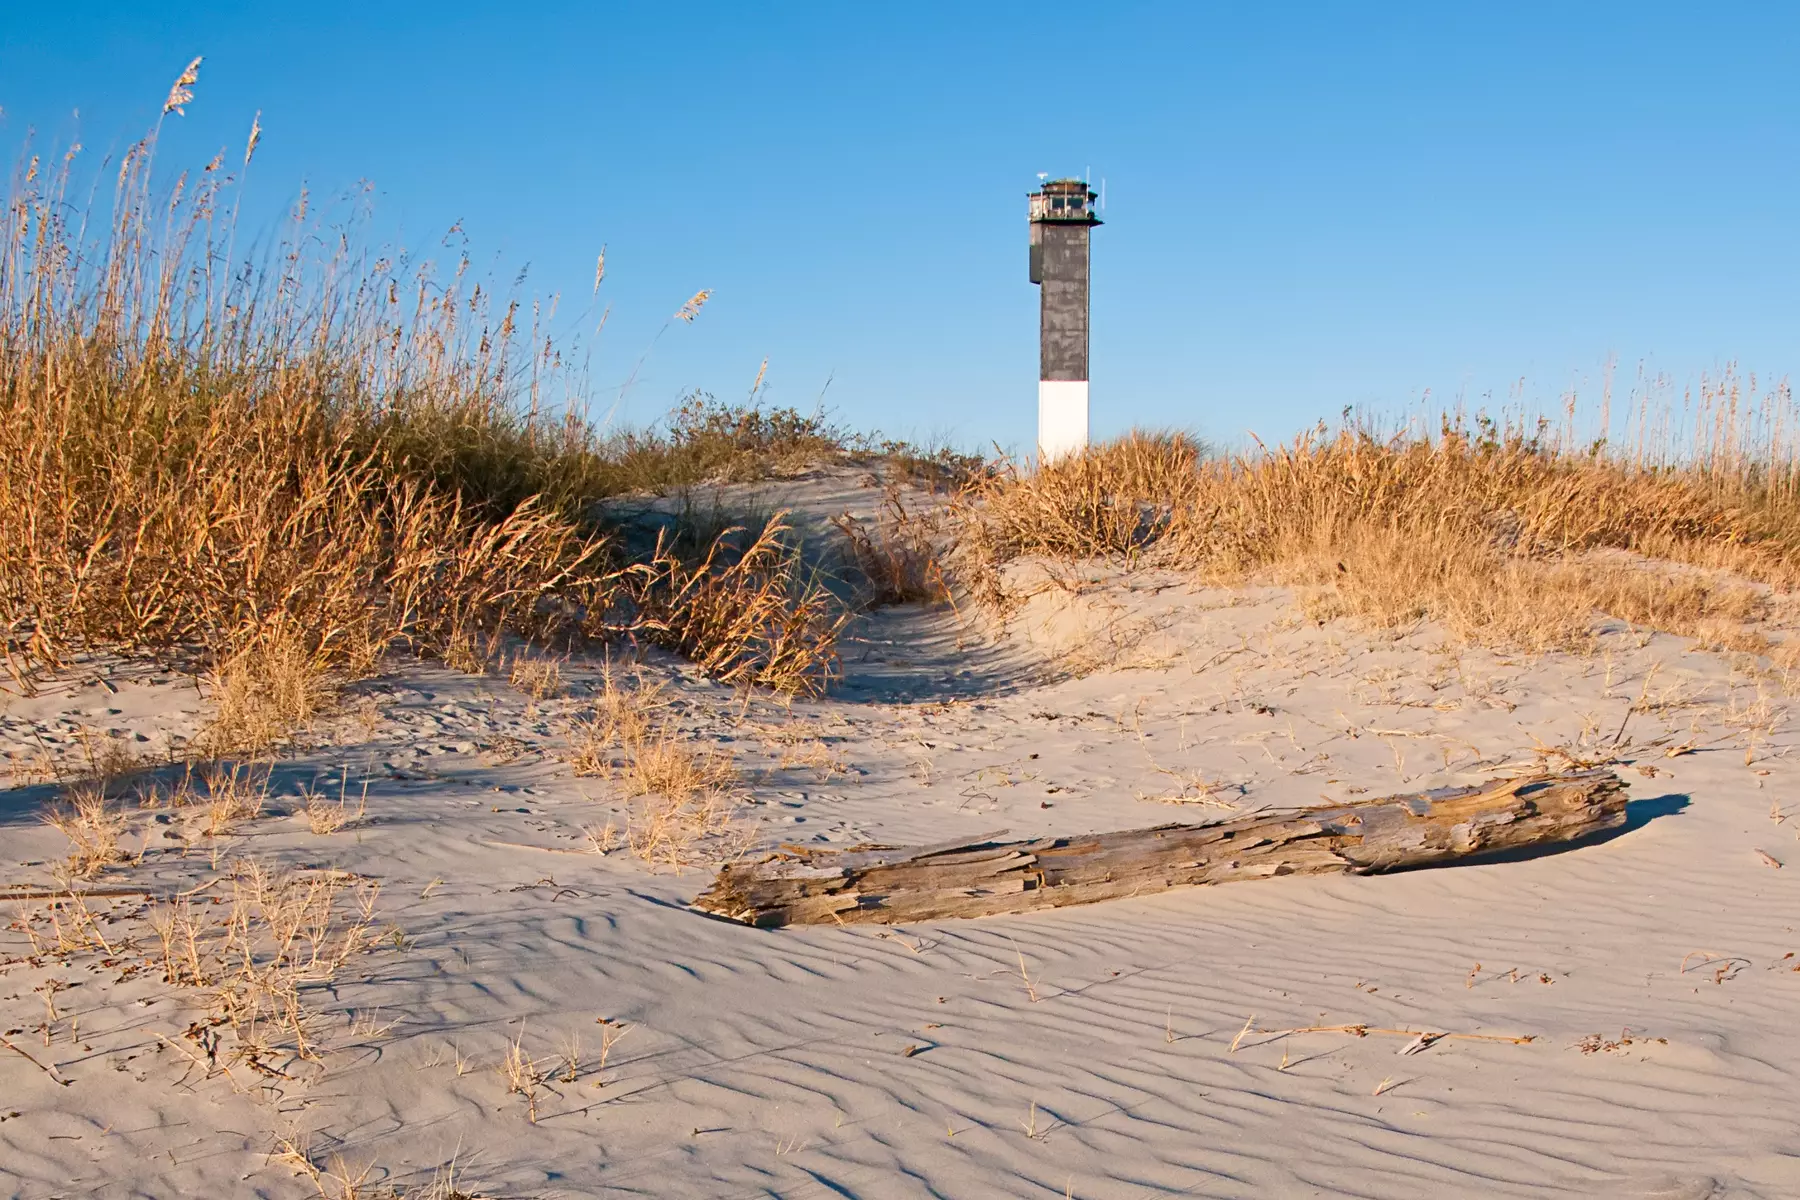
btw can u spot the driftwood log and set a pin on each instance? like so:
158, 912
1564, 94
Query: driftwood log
983, 877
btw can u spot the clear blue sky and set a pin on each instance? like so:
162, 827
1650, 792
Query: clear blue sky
1308, 205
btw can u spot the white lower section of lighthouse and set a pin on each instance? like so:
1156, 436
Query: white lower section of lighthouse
1062, 417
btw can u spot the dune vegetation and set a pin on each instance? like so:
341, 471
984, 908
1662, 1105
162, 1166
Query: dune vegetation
1510, 535
281, 470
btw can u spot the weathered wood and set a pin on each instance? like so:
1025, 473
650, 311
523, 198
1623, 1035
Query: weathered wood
983, 877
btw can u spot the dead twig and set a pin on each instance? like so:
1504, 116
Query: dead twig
28, 893
1427, 1036
49, 1070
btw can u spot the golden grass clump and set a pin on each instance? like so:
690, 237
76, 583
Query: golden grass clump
539, 678
668, 764
282, 473
325, 815
705, 441
681, 829
898, 554
234, 792
93, 826
746, 613
684, 797
524, 1076
237, 467
267, 687
1500, 536
1115, 499
621, 715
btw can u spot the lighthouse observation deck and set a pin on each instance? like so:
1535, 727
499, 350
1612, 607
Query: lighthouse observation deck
1064, 200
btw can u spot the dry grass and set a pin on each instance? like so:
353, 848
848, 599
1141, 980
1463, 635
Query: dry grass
265, 689
620, 715
280, 473
796, 743
898, 554
525, 1076
704, 441
233, 792
611, 1033
336, 1179
667, 763
684, 796
686, 808
274, 938
539, 678
1115, 499
93, 827
106, 759
750, 613
1512, 538
326, 816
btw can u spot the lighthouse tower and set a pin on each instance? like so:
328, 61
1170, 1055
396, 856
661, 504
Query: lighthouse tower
1062, 216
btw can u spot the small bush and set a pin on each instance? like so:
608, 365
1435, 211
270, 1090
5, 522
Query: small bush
898, 555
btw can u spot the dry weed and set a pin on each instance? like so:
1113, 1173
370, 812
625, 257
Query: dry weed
471, 652
685, 806
621, 714
234, 792
93, 828
684, 802
539, 678
333, 1181
602, 839
324, 816
800, 744
278, 474
750, 614
611, 1033
25, 770
898, 554
666, 762
73, 926
263, 691
275, 938
1115, 499
443, 1186
106, 759
1786, 655
336, 1180
524, 1076
221, 792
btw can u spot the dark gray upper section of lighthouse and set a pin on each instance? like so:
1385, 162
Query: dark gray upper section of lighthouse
1063, 311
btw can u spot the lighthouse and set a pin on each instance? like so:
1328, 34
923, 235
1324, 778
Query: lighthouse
1061, 214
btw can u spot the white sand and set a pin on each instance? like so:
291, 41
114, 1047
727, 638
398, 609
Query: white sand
775, 1063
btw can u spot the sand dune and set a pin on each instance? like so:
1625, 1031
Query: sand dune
1087, 1052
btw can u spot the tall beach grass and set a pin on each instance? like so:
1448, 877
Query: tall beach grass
1513, 532
281, 468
